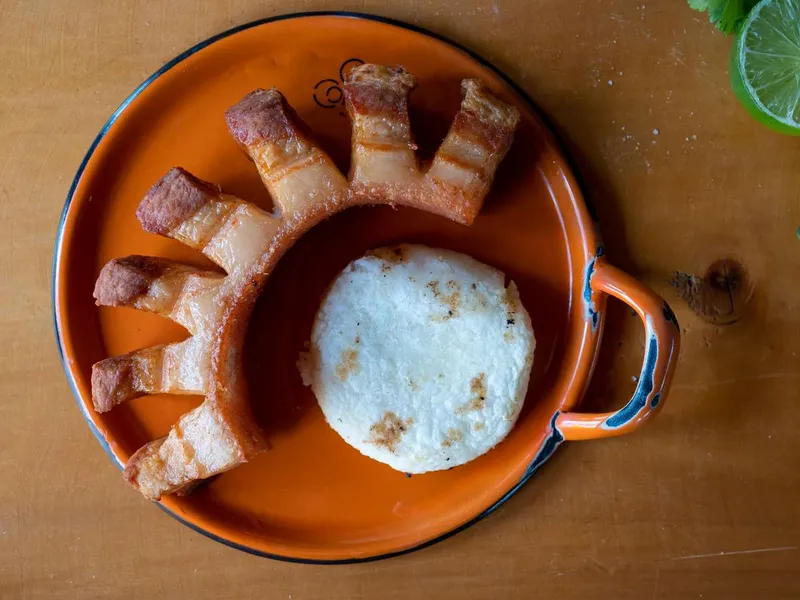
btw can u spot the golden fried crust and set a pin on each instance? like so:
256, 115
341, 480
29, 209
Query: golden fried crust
228, 389
112, 383
150, 449
124, 279
485, 120
378, 91
261, 116
120, 378
172, 200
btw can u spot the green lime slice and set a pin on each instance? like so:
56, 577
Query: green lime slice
765, 64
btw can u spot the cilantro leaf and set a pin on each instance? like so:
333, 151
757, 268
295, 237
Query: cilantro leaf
727, 15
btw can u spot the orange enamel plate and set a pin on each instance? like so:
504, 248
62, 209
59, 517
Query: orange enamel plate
311, 497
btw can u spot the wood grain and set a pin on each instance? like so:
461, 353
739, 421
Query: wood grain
704, 503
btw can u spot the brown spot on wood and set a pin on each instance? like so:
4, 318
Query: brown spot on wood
478, 400
348, 364
720, 295
387, 432
453, 436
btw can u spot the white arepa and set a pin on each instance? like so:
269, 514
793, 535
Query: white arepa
420, 357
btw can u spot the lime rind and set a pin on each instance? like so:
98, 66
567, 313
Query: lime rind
765, 64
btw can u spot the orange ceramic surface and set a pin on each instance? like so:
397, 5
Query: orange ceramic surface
311, 496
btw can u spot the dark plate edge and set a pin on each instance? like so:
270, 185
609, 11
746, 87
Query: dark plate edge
551, 442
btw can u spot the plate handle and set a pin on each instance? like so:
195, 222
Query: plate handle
662, 344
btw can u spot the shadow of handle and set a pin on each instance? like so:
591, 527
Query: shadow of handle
662, 336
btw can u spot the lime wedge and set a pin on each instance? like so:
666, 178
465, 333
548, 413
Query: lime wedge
765, 64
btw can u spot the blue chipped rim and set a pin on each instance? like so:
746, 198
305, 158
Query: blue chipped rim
551, 442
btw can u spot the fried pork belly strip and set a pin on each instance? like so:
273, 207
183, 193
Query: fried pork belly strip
179, 368
464, 167
162, 286
198, 446
385, 166
384, 162
179, 292
247, 242
298, 175
229, 231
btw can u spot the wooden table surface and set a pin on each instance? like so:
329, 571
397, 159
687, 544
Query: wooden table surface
703, 503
